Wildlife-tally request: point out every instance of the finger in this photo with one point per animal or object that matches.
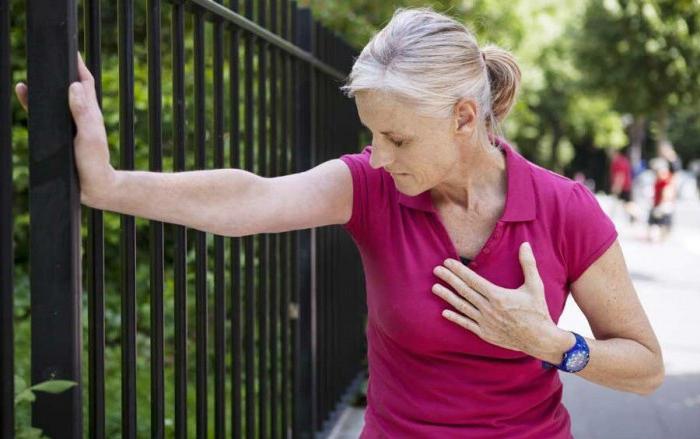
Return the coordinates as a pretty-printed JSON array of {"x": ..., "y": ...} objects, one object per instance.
[
  {"x": 464, "y": 322},
  {"x": 473, "y": 280},
  {"x": 86, "y": 117},
  {"x": 478, "y": 298},
  {"x": 529, "y": 264},
  {"x": 22, "y": 95},
  {"x": 86, "y": 78},
  {"x": 83, "y": 71},
  {"x": 464, "y": 306}
]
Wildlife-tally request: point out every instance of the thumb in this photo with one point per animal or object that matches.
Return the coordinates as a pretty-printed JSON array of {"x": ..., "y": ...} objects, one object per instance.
[{"x": 529, "y": 264}]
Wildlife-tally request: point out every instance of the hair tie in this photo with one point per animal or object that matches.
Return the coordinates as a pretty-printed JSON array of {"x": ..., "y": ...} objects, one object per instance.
[{"x": 483, "y": 56}]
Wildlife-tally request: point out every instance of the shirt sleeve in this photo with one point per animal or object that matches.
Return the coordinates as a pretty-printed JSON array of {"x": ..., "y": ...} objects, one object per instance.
[
  {"x": 588, "y": 231},
  {"x": 365, "y": 185}
]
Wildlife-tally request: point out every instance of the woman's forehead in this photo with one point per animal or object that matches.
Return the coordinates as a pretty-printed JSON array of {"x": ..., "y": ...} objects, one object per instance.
[
  {"x": 373, "y": 101},
  {"x": 389, "y": 112}
]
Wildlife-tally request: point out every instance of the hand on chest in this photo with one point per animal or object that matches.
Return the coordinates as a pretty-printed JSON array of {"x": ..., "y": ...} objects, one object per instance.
[{"x": 406, "y": 310}]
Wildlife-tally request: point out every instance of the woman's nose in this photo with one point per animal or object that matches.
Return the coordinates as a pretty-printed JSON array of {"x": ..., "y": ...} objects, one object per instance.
[{"x": 380, "y": 157}]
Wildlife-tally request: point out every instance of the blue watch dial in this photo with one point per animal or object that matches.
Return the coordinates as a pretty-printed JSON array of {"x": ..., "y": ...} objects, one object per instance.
[
  {"x": 577, "y": 357},
  {"x": 577, "y": 361}
]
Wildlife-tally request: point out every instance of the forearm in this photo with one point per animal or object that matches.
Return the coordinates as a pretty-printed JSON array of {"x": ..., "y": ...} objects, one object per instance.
[
  {"x": 206, "y": 200},
  {"x": 618, "y": 363}
]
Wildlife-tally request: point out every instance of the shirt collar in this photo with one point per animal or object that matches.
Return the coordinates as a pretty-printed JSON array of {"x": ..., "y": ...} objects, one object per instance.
[{"x": 520, "y": 196}]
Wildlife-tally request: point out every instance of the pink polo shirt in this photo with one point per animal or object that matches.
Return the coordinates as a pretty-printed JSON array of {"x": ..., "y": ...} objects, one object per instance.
[{"x": 428, "y": 377}]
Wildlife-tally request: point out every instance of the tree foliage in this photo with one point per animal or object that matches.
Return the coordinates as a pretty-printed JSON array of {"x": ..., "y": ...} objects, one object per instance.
[{"x": 643, "y": 53}]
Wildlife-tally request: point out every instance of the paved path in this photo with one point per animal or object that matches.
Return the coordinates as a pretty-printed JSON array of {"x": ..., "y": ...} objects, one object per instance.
[{"x": 667, "y": 279}]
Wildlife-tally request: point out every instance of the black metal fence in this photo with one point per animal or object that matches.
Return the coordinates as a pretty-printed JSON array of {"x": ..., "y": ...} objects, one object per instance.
[{"x": 257, "y": 91}]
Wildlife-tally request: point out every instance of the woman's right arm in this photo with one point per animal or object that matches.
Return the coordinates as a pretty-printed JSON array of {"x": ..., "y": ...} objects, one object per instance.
[
  {"x": 234, "y": 202},
  {"x": 227, "y": 202}
]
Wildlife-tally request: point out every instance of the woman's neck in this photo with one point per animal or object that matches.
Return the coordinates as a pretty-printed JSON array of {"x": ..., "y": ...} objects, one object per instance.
[{"x": 480, "y": 174}]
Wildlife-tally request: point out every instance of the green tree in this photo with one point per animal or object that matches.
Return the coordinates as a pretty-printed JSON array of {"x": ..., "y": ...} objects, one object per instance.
[{"x": 644, "y": 54}]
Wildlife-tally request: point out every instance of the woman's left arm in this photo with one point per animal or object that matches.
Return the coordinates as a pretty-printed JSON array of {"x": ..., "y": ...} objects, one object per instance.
[{"x": 625, "y": 354}]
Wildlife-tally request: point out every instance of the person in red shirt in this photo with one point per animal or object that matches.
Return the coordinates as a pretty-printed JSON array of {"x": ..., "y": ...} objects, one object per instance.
[
  {"x": 621, "y": 182},
  {"x": 661, "y": 214}
]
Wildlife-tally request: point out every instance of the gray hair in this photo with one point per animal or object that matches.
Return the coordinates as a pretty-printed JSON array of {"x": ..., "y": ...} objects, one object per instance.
[{"x": 432, "y": 61}]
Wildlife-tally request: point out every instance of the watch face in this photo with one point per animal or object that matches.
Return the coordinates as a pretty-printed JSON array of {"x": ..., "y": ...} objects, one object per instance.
[{"x": 577, "y": 360}]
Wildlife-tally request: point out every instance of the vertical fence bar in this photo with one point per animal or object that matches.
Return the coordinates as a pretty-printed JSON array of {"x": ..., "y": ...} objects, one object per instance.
[
  {"x": 294, "y": 336},
  {"x": 7, "y": 388},
  {"x": 322, "y": 297},
  {"x": 325, "y": 292},
  {"x": 305, "y": 397},
  {"x": 95, "y": 251},
  {"x": 284, "y": 249},
  {"x": 263, "y": 238},
  {"x": 340, "y": 298},
  {"x": 128, "y": 229},
  {"x": 200, "y": 236},
  {"x": 219, "y": 309},
  {"x": 274, "y": 238},
  {"x": 54, "y": 207},
  {"x": 235, "y": 159},
  {"x": 334, "y": 293},
  {"x": 155, "y": 227},
  {"x": 180, "y": 232},
  {"x": 249, "y": 240}
]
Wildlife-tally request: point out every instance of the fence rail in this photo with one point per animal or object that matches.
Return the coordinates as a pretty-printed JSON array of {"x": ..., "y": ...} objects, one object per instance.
[{"x": 258, "y": 91}]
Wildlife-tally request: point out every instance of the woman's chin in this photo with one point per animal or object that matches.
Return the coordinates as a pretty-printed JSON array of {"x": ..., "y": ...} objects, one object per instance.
[{"x": 406, "y": 189}]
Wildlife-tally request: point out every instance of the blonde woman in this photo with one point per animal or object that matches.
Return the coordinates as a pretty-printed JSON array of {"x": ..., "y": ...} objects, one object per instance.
[{"x": 469, "y": 250}]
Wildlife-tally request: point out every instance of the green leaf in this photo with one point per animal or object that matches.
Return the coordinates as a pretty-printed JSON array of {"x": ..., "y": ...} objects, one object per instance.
[
  {"x": 25, "y": 396},
  {"x": 54, "y": 386},
  {"x": 20, "y": 384}
]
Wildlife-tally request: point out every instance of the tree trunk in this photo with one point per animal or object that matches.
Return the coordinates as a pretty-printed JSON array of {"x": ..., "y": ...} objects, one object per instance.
[
  {"x": 637, "y": 134},
  {"x": 554, "y": 149},
  {"x": 662, "y": 129}
]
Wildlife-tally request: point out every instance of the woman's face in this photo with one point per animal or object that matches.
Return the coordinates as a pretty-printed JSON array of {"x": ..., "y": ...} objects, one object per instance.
[{"x": 417, "y": 151}]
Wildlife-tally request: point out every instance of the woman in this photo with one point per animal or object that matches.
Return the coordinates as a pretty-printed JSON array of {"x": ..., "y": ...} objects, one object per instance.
[{"x": 456, "y": 348}]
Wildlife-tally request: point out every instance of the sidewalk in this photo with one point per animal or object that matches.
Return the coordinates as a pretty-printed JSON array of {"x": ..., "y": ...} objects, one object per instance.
[{"x": 667, "y": 280}]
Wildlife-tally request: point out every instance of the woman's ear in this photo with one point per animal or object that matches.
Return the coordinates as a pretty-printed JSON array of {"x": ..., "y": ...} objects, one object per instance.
[{"x": 465, "y": 112}]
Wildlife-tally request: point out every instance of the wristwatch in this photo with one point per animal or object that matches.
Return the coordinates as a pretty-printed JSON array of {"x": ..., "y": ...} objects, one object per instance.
[{"x": 575, "y": 359}]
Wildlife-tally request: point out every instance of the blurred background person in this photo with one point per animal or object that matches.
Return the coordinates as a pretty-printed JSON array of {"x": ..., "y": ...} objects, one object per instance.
[
  {"x": 621, "y": 184},
  {"x": 661, "y": 213}
]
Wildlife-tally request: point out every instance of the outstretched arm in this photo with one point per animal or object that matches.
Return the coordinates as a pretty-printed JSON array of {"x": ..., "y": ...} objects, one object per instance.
[{"x": 228, "y": 202}]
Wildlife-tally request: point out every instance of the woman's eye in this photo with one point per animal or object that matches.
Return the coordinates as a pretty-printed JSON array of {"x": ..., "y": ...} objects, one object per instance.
[{"x": 397, "y": 142}]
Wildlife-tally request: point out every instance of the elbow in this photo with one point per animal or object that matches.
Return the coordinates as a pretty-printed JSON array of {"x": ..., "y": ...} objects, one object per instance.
[{"x": 653, "y": 384}]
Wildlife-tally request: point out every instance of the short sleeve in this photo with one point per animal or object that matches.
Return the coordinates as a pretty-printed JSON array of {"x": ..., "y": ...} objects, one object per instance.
[
  {"x": 365, "y": 182},
  {"x": 587, "y": 233}
]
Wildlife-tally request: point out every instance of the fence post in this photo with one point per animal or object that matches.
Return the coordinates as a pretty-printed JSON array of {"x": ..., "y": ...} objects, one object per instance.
[
  {"x": 54, "y": 207},
  {"x": 7, "y": 388},
  {"x": 306, "y": 394}
]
